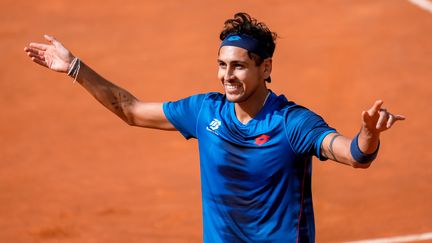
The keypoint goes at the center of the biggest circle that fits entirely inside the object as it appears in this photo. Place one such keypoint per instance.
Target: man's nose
(228, 74)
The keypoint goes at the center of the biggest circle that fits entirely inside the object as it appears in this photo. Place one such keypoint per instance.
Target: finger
(39, 61)
(30, 49)
(42, 47)
(399, 117)
(390, 121)
(33, 57)
(393, 119)
(384, 115)
(34, 51)
(376, 107)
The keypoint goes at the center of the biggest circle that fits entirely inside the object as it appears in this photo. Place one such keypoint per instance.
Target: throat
(246, 111)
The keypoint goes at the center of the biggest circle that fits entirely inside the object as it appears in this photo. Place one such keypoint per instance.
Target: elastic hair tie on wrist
(74, 68)
(358, 155)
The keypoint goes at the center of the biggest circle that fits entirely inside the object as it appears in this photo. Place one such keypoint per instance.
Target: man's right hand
(53, 56)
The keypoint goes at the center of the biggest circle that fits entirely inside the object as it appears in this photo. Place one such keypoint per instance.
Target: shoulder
(214, 99)
(214, 96)
(290, 108)
(299, 112)
(199, 98)
(293, 110)
(297, 115)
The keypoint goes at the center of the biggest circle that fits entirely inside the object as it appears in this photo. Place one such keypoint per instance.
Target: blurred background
(72, 172)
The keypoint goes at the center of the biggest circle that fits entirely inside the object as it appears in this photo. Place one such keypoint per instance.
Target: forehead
(233, 53)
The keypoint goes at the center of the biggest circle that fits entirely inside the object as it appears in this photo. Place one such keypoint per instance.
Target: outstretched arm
(342, 149)
(118, 100)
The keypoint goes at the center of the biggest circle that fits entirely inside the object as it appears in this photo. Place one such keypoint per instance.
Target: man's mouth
(232, 87)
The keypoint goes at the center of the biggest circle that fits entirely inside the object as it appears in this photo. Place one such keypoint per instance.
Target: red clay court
(72, 172)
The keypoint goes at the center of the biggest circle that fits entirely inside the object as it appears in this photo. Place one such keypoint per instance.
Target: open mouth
(233, 87)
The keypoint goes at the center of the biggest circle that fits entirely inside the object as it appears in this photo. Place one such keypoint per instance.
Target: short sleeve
(306, 131)
(183, 114)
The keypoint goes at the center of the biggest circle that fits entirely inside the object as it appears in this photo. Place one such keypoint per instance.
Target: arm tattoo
(323, 151)
(121, 101)
(330, 147)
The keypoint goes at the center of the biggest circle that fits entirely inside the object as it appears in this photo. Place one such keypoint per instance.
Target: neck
(247, 110)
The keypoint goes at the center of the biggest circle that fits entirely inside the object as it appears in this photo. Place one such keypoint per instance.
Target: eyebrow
(233, 62)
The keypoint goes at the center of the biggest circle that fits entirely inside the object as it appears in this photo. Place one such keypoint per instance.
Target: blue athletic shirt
(255, 177)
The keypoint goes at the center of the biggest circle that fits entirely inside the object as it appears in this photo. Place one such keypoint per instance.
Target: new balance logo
(214, 125)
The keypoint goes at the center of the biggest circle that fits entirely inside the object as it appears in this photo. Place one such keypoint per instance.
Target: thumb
(52, 40)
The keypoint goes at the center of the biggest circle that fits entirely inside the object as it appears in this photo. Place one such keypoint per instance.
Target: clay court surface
(72, 172)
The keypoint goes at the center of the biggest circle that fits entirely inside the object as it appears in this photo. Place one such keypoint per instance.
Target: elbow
(129, 116)
(357, 165)
(130, 123)
(129, 119)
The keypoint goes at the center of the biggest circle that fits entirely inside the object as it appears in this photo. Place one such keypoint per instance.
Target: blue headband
(246, 42)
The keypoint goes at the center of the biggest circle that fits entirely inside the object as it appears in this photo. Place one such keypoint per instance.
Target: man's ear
(267, 67)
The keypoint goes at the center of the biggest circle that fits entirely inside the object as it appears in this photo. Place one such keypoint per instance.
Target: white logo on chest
(214, 125)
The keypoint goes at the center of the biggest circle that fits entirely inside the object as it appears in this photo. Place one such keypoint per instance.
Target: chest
(254, 153)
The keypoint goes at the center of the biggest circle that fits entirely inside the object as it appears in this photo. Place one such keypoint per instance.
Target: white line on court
(398, 239)
(424, 4)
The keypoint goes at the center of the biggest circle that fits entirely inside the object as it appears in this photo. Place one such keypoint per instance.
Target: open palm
(53, 56)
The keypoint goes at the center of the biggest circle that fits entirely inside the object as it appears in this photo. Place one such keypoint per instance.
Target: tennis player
(255, 146)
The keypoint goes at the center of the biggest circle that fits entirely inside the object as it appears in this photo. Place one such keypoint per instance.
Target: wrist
(368, 142)
(367, 155)
(74, 68)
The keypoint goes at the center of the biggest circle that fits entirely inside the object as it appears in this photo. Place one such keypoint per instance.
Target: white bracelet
(74, 68)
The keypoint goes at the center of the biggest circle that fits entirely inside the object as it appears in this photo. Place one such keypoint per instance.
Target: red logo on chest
(261, 139)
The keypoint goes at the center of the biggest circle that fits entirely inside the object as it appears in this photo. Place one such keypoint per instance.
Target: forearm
(334, 147)
(113, 97)
(56, 57)
(342, 149)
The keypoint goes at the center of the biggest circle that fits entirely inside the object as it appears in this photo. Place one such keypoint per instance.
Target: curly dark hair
(243, 23)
